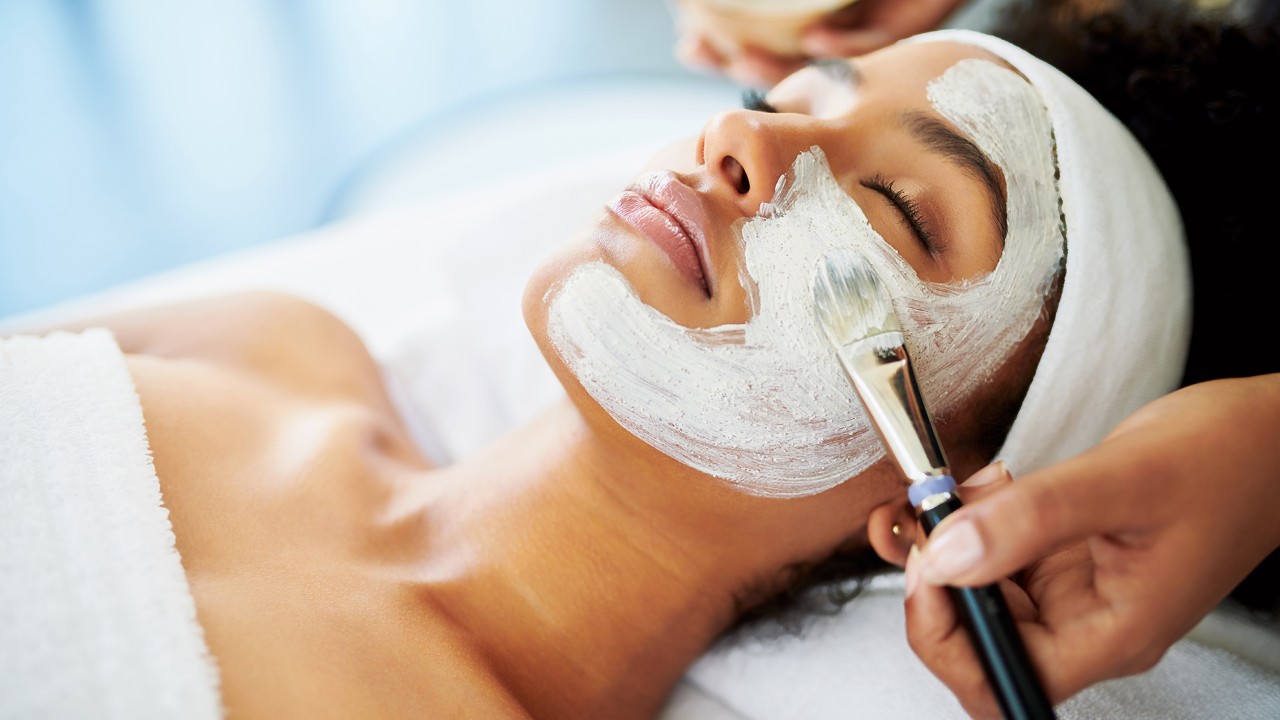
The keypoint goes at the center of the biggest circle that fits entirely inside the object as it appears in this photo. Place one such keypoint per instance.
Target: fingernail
(987, 475)
(911, 574)
(954, 551)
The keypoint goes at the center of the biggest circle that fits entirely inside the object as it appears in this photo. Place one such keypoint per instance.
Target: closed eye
(908, 208)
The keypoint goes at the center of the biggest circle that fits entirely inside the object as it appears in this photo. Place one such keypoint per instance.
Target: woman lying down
(707, 458)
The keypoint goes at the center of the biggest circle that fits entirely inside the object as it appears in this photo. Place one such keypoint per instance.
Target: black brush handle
(985, 614)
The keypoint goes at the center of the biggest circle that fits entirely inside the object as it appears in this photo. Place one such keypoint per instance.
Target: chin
(540, 287)
(535, 306)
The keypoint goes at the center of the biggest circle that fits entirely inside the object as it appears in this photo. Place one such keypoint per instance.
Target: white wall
(138, 135)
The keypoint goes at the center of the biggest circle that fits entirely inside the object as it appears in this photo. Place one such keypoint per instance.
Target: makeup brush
(858, 317)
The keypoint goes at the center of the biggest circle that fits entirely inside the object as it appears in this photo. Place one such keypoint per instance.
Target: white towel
(858, 665)
(96, 617)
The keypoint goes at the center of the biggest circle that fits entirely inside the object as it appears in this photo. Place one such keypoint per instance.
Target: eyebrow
(960, 150)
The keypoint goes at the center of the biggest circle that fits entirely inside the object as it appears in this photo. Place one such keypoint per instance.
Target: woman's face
(929, 194)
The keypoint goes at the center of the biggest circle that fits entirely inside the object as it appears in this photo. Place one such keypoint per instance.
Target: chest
(269, 494)
(278, 504)
(252, 474)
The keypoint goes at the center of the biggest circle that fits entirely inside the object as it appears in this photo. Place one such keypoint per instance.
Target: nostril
(736, 174)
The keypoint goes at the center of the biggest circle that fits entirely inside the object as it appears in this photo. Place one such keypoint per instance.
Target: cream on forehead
(764, 404)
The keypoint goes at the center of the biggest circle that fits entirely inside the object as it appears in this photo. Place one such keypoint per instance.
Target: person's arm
(857, 28)
(1111, 557)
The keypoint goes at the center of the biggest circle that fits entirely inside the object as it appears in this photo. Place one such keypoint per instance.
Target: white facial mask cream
(765, 405)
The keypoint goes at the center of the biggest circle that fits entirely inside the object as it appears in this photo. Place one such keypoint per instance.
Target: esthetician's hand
(1109, 558)
(859, 27)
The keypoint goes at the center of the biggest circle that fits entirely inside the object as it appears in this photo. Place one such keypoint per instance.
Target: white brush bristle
(849, 300)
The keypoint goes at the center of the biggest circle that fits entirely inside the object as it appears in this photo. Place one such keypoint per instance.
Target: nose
(746, 151)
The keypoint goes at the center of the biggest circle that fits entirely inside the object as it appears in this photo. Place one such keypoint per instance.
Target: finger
(1021, 606)
(995, 536)
(759, 68)
(1071, 654)
(937, 638)
(901, 19)
(696, 52)
(876, 24)
(826, 41)
(1074, 636)
(986, 481)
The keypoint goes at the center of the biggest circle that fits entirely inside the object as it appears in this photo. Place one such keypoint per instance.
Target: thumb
(997, 534)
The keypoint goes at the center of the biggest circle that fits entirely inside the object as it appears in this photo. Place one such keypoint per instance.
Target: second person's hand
(1109, 558)
(860, 27)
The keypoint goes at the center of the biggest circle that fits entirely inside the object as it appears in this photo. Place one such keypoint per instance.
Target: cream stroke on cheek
(764, 405)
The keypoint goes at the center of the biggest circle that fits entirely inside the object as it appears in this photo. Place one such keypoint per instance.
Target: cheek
(750, 411)
(763, 404)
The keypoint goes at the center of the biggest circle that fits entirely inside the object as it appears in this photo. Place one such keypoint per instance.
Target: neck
(586, 575)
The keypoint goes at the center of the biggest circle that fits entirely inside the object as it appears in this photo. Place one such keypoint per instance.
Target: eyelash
(909, 208)
(754, 100)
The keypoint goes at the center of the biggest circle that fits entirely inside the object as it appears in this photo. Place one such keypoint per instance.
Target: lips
(670, 215)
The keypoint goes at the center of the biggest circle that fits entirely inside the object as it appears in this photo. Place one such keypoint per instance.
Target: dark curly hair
(1200, 89)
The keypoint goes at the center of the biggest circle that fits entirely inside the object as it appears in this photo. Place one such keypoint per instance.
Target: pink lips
(670, 215)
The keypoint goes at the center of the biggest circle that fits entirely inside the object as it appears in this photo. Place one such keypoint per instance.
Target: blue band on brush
(932, 486)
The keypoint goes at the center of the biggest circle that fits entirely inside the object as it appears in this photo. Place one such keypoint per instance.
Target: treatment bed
(426, 256)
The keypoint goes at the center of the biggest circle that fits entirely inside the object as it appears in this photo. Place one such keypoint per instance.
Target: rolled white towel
(96, 616)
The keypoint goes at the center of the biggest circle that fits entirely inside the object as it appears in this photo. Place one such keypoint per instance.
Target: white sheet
(435, 289)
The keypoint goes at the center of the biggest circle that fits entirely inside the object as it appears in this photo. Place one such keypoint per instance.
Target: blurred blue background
(139, 135)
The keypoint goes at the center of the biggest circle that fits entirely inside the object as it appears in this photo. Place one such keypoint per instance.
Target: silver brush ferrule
(880, 370)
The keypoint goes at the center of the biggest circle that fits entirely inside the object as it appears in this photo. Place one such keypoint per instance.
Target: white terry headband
(1123, 322)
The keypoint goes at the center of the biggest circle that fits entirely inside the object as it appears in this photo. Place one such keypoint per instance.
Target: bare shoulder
(296, 343)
